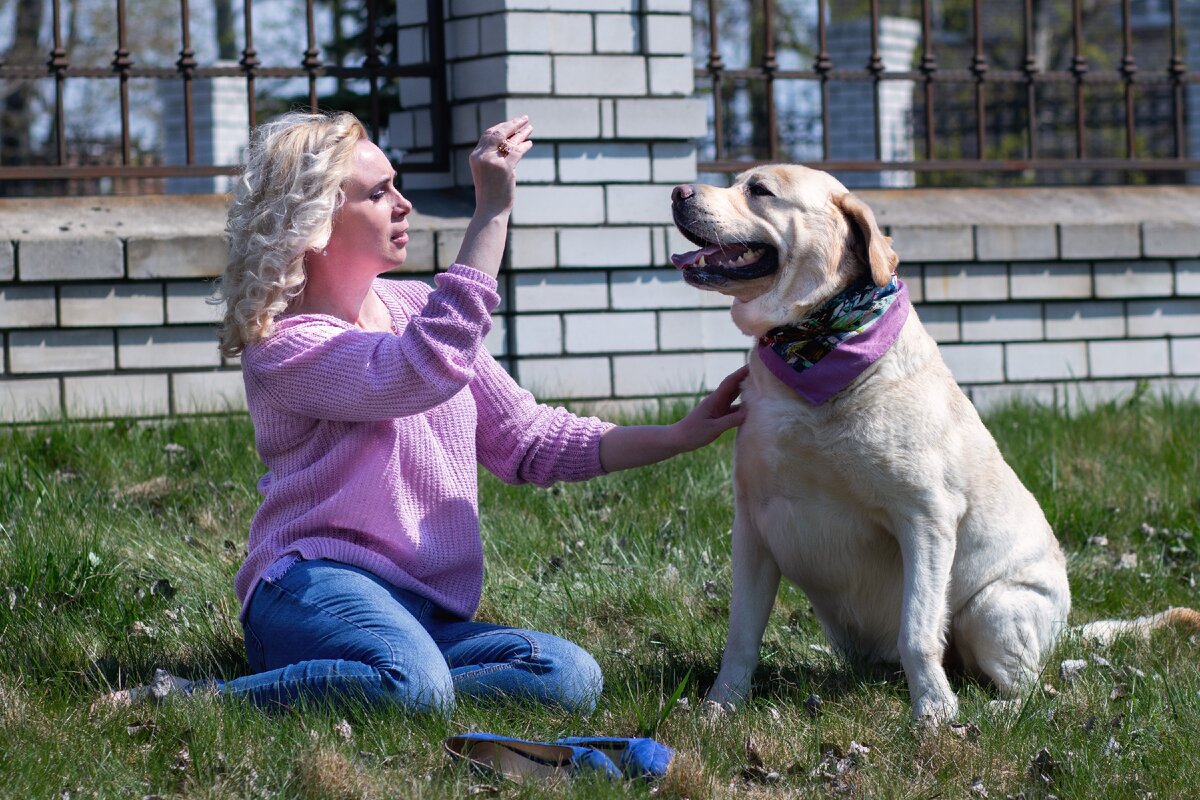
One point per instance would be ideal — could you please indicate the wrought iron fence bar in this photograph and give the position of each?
(312, 57)
(58, 64)
(976, 165)
(440, 110)
(1079, 67)
(875, 66)
(953, 76)
(979, 67)
(1129, 71)
(715, 68)
(1177, 69)
(928, 68)
(822, 66)
(769, 66)
(372, 62)
(28, 72)
(121, 64)
(187, 66)
(249, 62)
(1030, 70)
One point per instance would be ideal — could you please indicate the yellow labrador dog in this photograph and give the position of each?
(862, 472)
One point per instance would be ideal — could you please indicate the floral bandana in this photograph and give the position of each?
(821, 354)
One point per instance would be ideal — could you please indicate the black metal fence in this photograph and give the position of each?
(357, 70)
(1029, 91)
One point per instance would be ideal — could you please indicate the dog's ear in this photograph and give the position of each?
(876, 248)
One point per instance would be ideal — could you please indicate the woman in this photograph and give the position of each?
(373, 401)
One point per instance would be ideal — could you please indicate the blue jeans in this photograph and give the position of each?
(327, 630)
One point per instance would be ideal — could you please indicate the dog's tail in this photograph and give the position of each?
(1105, 631)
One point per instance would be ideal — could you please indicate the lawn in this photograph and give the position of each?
(118, 545)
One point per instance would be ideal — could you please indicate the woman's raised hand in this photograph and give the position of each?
(494, 161)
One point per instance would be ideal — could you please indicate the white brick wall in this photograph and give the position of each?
(33, 400)
(61, 351)
(686, 373)
(1187, 277)
(617, 33)
(66, 259)
(92, 305)
(600, 75)
(157, 348)
(1099, 241)
(27, 306)
(188, 303)
(638, 203)
(1164, 317)
(1094, 320)
(941, 322)
(933, 242)
(539, 334)
(7, 261)
(610, 332)
(1133, 278)
(965, 282)
(1051, 280)
(564, 291)
(566, 377)
(700, 330)
(975, 363)
(117, 396)
(176, 257)
(559, 205)
(604, 247)
(604, 163)
(648, 289)
(1129, 359)
(1001, 322)
(1015, 242)
(1046, 361)
(1185, 356)
(207, 392)
(1170, 239)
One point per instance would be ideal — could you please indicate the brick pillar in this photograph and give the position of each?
(220, 127)
(608, 86)
(852, 104)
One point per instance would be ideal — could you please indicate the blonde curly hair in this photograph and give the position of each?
(283, 206)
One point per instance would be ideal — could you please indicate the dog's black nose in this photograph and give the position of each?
(682, 192)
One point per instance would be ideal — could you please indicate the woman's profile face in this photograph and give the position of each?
(371, 227)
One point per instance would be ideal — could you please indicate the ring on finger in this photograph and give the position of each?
(503, 149)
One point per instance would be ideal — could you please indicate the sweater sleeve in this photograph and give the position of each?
(522, 441)
(326, 369)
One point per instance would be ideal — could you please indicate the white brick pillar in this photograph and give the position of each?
(220, 128)
(852, 104)
(608, 87)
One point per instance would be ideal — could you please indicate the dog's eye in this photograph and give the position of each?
(759, 190)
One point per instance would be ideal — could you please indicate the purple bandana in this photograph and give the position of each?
(821, 354)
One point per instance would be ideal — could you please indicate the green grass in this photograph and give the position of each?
(118, 545)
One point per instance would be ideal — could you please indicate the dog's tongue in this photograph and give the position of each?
(716, 252)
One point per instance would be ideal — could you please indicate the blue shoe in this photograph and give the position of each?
(638, 758)
(520, 759)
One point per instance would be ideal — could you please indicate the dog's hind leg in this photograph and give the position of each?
(1006, 631)
(755, 583)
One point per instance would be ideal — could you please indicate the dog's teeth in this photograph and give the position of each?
(701, 262)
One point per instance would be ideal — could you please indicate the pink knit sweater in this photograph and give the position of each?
(371, 440)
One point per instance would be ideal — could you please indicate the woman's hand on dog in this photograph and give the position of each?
(713, 415)
(625, 447)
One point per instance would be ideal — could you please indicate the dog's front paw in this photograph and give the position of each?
(933, 708)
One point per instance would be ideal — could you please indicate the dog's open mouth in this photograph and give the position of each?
(718, 264)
